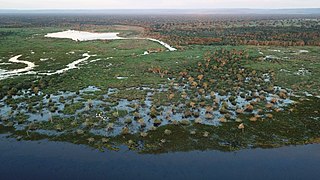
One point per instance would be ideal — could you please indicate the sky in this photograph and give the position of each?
(156, 4)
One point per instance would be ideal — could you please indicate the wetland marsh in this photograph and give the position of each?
(112, 87)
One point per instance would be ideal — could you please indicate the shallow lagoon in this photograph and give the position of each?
(88, 36)
(84, 36)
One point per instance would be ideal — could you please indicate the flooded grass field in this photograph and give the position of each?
(118, 91)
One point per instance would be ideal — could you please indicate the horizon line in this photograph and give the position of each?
(219, 8)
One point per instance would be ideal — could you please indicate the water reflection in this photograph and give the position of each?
(43, 159)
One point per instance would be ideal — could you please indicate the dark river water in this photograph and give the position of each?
(58, 160)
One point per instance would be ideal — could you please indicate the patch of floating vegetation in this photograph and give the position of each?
(215, 104)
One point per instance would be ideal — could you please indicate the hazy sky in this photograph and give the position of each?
(155, 4)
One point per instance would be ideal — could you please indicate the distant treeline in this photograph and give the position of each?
(180, 30)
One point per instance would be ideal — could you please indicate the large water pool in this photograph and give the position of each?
(59, 160)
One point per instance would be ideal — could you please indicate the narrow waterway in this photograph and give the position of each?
(15, 72)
